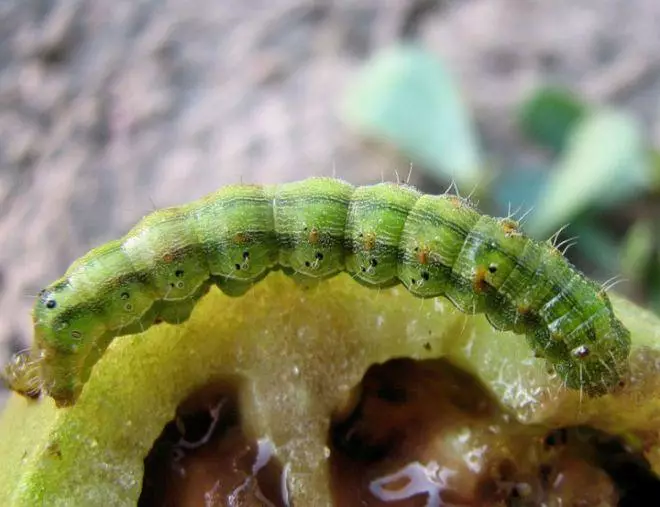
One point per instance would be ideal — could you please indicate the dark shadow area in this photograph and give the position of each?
(629, 470)
(426, 431)
(204, 458)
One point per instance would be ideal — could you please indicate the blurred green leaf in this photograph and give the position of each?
(407, 97)
(637, 251)
(654, 284)
(596, 244)
(516, 191)
(548, 117)
(655, 169)
(605, 163)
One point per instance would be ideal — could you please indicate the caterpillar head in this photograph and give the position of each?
(64, 319)
(21, 374)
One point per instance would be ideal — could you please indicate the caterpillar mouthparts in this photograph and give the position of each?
(382, 235)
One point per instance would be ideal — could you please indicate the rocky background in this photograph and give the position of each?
(111, 109)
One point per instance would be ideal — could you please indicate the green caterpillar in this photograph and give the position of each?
(381, 235)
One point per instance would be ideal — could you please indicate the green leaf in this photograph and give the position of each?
(297, 354)
(596, 244)
(655, 169)
(548, 117)
(638, 250)
(407, 97)
(517, 190)
(653, 284)
(605, 163)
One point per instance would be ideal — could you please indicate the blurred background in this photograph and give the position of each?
(546, 110)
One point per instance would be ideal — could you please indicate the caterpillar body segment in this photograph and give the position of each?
(382, 235)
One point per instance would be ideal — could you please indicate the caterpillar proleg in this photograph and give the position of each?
(382, 235)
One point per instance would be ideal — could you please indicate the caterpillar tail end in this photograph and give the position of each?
(601, 382)
(602, 368)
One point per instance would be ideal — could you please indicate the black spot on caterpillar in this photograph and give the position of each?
(382, 235)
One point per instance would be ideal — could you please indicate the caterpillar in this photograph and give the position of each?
(382, 235)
